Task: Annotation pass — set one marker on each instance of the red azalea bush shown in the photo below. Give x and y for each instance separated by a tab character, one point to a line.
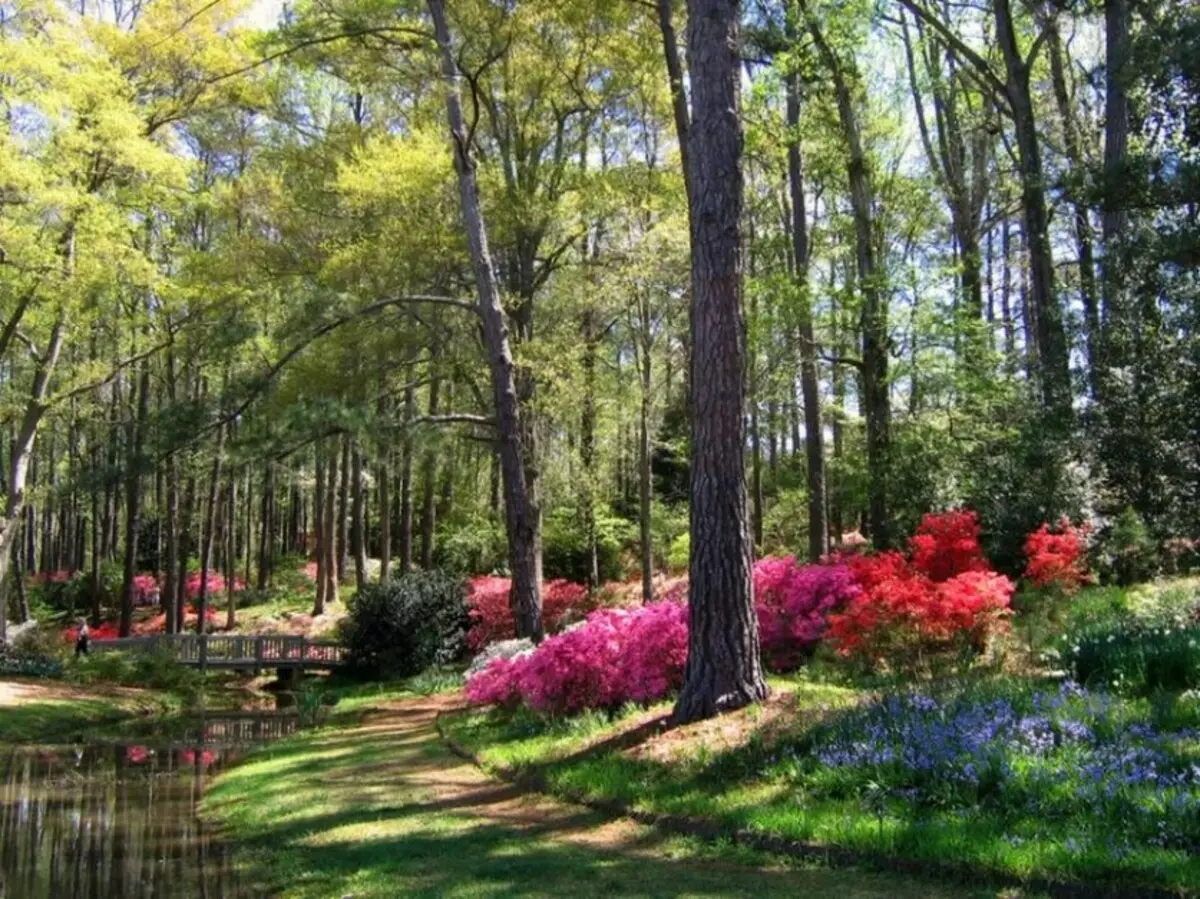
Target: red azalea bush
616	656
158	624
947	544
105	630
945	596
792	603
1057	560
50	577
491	616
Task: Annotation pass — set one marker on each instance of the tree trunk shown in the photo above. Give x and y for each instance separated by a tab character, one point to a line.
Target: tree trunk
522	518
231	554
172	560
645	483
406	484
1114	219
814	437
587	445
724	670
429	468
1053	370
319	532
210	528
14	503
133	499
342	526
331	528
358	528
266	543
185	531
875	401
1081	220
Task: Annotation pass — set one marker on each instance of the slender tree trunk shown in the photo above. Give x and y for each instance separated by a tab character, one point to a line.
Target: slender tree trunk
724	670
266	543
406	486
429	468
331	528
875	400
319	532
231	554
587	446
1088	293
522	518
185	537
358	528
1114	219
645	483
1053	369
133	500
210	528
814	437
342	526
14	502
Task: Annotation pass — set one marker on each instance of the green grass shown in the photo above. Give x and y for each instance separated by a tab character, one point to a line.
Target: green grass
757	787
60	721
364	811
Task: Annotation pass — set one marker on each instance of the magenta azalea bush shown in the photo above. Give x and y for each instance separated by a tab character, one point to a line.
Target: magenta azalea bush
616	656
793	602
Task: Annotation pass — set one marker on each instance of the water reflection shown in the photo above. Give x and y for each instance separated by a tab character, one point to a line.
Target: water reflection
110	822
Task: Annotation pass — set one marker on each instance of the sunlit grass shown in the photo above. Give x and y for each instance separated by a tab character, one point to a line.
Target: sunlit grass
382	809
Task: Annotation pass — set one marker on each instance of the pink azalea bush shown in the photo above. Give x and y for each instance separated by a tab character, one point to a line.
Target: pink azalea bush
616	656
793	603
491	617
216	584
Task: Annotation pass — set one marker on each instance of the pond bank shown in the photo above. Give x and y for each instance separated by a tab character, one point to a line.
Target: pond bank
378	806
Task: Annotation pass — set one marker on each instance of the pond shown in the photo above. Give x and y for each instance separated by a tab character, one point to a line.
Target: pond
111	821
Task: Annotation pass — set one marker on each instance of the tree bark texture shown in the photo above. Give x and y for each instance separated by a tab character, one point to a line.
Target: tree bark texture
724	670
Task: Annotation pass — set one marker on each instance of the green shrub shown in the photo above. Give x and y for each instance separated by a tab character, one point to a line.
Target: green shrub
401	627
18	662
156	669
1124	551
785	524
477	546
1135	657
677	558
565	549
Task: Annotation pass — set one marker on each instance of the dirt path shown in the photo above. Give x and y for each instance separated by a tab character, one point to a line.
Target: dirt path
384	809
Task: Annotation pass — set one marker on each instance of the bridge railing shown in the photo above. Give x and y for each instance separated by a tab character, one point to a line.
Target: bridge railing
235	651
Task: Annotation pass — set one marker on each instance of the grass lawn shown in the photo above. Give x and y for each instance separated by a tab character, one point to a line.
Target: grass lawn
376	806
38	711
761	770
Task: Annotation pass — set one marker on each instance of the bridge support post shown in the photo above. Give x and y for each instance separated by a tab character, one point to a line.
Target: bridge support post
258	656
203	638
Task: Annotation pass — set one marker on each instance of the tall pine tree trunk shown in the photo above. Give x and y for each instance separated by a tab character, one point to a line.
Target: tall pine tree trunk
724	670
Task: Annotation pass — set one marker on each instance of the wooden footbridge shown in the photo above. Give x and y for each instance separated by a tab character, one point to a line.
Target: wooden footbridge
244	653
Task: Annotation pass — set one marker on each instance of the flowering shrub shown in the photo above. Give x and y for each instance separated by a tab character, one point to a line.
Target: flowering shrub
1057	560
947	544
907	614
1066	766
105	630
792	602
616	656
216	584
145	589
50	577
158	623
491	616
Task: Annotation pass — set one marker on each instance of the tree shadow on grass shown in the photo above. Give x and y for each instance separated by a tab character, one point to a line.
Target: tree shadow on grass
389	812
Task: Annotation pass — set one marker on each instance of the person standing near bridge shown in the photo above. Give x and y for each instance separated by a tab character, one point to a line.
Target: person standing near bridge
81	640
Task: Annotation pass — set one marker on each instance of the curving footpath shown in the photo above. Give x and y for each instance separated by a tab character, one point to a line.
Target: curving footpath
384	809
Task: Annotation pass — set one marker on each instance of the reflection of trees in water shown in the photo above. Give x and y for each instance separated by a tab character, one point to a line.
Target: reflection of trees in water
114	822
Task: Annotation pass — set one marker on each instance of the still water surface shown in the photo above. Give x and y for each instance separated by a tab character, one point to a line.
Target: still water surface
110	822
